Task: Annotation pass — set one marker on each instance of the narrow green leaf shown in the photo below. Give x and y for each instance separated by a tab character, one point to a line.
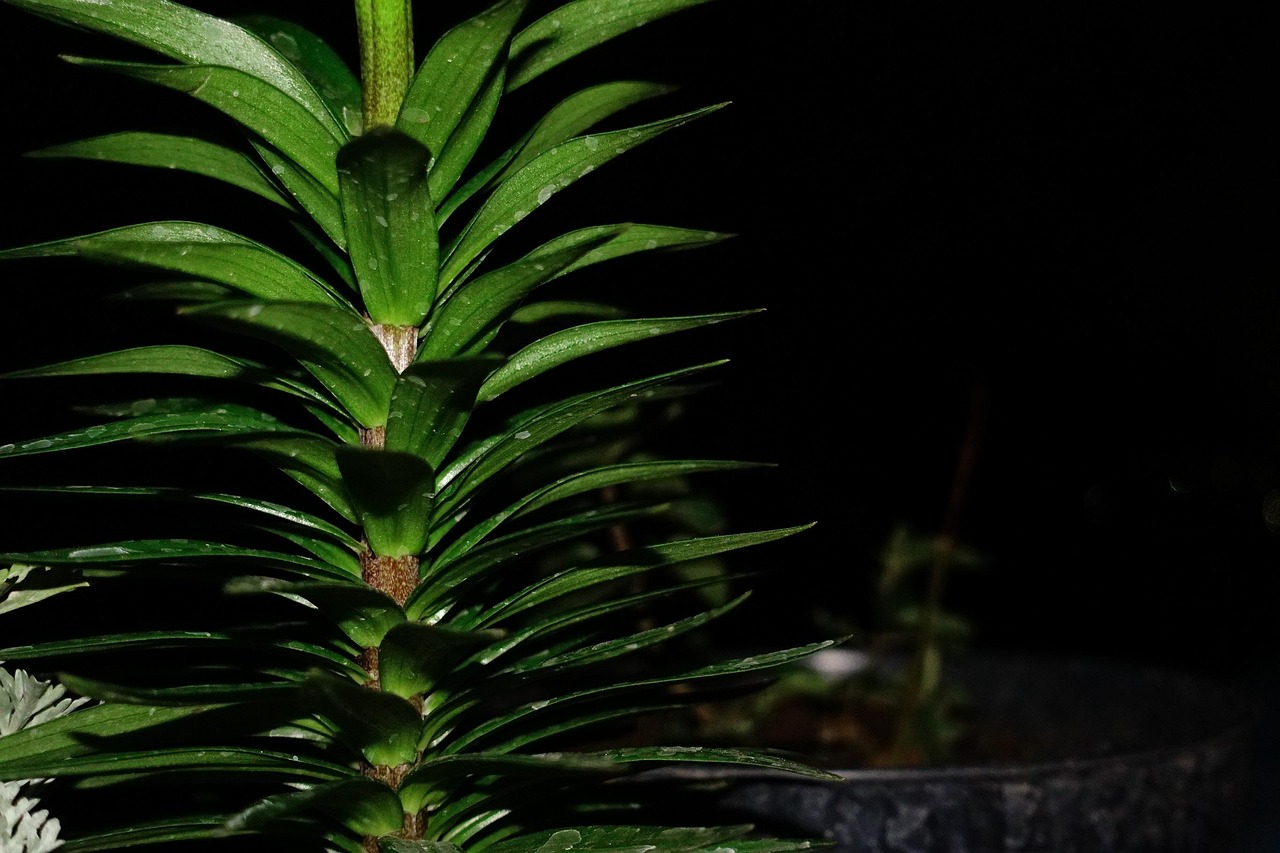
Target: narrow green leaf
424	785
625	839
431	404
333	344
627	644
399	845
577	26
579	113
472	313
414	655
444	581
363	805
147	426
532	429
174	551
567	617
568	344
309	460
390	225
194	249
466	140
320	203
548	310
630	238
331	77
64	738
259	107
149	762
563	708
173	291
382	727
274	510
123	838
626	564
184	696
454	73
364	614
165	151
713	755
393	493
178	360
542	178
189	36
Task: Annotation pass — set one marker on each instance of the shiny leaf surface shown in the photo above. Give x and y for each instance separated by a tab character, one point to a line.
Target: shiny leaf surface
165	151
389	221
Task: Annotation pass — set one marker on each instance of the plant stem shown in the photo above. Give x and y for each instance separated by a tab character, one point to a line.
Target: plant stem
386	57
923	673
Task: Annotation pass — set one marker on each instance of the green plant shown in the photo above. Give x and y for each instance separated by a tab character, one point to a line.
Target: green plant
407	647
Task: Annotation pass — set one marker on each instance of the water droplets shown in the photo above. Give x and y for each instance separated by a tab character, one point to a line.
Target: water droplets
522	435
565	839
286	44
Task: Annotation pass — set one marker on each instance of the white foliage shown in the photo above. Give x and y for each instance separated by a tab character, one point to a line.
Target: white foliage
23	829
27	701
21	585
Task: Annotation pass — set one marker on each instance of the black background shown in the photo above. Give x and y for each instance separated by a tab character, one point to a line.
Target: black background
1066	205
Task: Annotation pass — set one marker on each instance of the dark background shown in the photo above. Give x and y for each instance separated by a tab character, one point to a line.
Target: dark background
1063	205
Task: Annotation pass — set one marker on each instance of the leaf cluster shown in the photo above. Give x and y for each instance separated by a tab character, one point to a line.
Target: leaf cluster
458	592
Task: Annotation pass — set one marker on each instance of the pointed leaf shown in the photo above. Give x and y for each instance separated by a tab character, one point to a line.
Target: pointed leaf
364	614
309	460
577	26
422	787
399	845
334	344
184	696
454	73
259	107
320	203
175	359
627	563
568	344
474	312
431	404
626	839
363	805
465	142
146	426
629	643
149	762
390	225
174	551
579	113
191	37
393	493
164	151
64	738
323	68
194	249
538	427
414	655
382	727
543	177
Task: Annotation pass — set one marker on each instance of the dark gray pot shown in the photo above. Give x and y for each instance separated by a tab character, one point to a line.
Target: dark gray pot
1142	760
